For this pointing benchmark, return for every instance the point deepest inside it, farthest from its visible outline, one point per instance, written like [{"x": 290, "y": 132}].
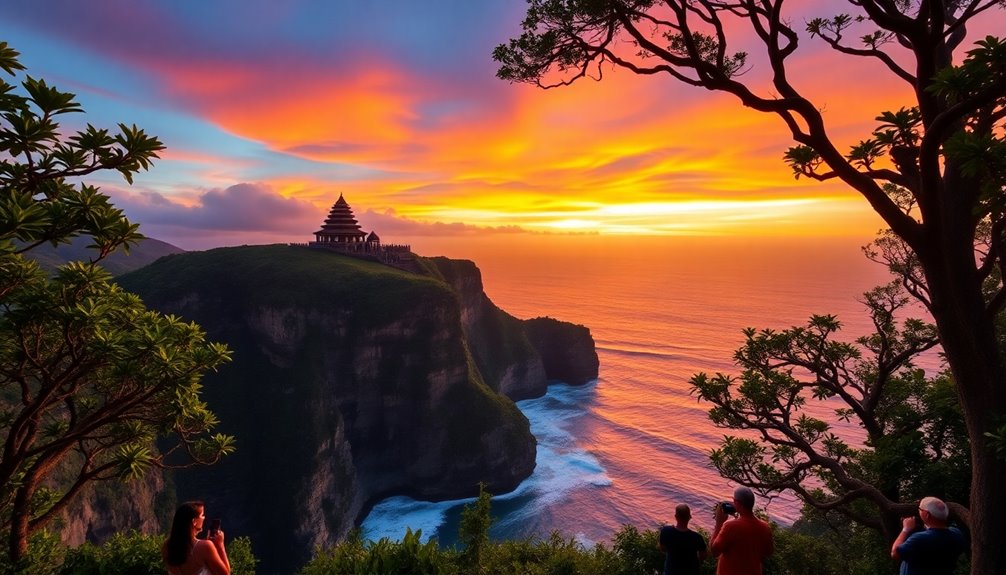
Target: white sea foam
[
  {"x": 392, "y": 516},
  {"x": 561, "y": 467}
]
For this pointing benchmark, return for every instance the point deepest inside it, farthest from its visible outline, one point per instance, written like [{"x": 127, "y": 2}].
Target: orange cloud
[{"x": 584, "y": 158}]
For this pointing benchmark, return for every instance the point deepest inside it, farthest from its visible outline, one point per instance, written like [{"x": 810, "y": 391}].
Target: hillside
[{"x": 118, "y": 263}]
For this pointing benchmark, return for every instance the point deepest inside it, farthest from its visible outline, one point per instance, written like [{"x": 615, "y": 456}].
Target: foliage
[
  {"x": 473, "y": 531},
  {"x": 553, "y": 556},
  {"x": 633, "y": 553},
  {"x": 637, "y": 551},
  {"x": 128, "y": 554},
  {"x": 820, "y": 543},
  {"x": 39, "y": 202},
  {"x": 45, "y": 557},
  {"x": 915, "y": 441},
  {"x": 998, "y": 441},
  {"x": 88, "y": 377},
  {"x": 408, "y": 557},
  {"x": 829, "y": 543},
  {"x": 136, "y": 554}
]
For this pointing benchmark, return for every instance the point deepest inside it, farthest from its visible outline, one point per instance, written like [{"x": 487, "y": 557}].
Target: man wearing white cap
[{"x": 933, "y": 551}]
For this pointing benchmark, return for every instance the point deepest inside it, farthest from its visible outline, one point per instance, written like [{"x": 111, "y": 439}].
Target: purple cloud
[{"x": 242, "y": 207}]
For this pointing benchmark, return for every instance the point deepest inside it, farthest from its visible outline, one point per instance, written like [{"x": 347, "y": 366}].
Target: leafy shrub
[
  {"x": 552, "y": 556},
  {"x": 137, "y": 554},
  {"x": 408, "y": 557},
  {"x": 637, "y": 551},
  {"x": 634, "y": 553},
  {"x": 45, "y": 555}
]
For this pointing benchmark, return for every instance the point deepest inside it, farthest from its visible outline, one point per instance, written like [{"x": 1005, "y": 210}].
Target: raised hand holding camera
[
  {"x": 214, "y": 529},
  {"x": 722, "y": 510}
]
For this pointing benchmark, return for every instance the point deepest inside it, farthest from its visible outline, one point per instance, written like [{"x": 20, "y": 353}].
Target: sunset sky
[{"x": 271, "y": 108}]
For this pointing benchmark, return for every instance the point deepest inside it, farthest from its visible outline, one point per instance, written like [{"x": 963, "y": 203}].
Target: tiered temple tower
[
  {"x": 342, "y": 233},
  {"x": 340, "y": 227}
]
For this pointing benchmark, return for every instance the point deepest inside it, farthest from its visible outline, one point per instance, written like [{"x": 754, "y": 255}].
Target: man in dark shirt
[
  {"x": 684, "y": 549},
  {"x": 933, "y": 551}
]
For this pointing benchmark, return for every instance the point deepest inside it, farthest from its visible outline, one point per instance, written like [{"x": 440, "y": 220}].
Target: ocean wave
[{"x": 562, "y": 466}]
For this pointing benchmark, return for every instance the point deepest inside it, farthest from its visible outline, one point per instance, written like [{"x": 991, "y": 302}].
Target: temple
[
  {"x": 340, "y": 227},
  {"x": 341, "y": 232}
]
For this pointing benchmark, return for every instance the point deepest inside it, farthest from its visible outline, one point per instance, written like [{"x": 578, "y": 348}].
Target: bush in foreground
[{"x": 137, "y": 554}]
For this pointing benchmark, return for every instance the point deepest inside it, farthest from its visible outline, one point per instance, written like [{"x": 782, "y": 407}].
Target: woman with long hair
[{"x": 183, "y": 554}]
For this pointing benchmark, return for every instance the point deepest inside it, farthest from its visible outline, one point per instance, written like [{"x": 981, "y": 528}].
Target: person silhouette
[{"x": 684, "y": 549}]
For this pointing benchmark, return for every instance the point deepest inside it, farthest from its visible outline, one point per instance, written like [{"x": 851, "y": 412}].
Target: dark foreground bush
[
  {"x": 552, "y": 556},
  {"x": 634, "y": 553},
  {"x": 408, "y": 557},
  {"x": 45, "y": 555},
  {"x": 136, "y": 554}
]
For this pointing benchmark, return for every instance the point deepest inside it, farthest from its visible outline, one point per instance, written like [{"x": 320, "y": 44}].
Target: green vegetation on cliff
[{"x": 255, "y": 276}]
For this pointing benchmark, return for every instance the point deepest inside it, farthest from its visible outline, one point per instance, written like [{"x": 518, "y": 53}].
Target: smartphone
[{"x": 214, "y": 527}]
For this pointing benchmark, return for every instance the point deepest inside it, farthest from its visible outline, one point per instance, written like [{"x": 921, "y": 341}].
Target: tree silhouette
[
  {"x": 934, "y": 171},
  {"x": 89, "y": 378}
]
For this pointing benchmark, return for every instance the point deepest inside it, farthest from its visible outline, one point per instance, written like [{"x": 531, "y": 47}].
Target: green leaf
[
  {"x": 48, "y": 99},
  {"x": 8, "y": 59}
]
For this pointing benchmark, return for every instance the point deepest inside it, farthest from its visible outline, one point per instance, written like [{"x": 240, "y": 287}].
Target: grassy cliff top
[{"x": 274, "y": 275}]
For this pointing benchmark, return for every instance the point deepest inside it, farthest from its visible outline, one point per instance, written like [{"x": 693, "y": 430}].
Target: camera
[
  {"x": 214, "y": 528},
  {"x": 727, "y": 507}
]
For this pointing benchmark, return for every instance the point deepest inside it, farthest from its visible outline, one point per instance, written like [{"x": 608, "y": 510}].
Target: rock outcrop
[
  {"x": 502, "y": 351},
  {"x": 107, "y": 507},
  {"x": 567, "y": 350}
]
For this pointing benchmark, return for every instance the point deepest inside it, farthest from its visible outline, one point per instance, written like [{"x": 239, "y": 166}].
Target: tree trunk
[
  {"x": 988, "y": 503},
  {"x": 17, "y": 540},
  {"x": 969, "y": 339}
]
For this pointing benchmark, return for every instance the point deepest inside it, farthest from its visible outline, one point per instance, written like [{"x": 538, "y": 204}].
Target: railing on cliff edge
[{"x": 396, "y": 255}]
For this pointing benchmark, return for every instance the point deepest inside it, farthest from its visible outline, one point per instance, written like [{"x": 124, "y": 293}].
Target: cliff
[
  {"x": 517, "y": 357},
  {"x": 351, "y": 381},
  {"x": 502, "y": 351},
  {"x": 567, "y": 350}
]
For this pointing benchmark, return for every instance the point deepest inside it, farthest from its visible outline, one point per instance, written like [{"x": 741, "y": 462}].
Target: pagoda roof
[{"x": 340, "y": 221}]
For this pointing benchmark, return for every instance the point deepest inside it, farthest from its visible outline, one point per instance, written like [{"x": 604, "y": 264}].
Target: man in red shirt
[{"x": 743, "y": 543}]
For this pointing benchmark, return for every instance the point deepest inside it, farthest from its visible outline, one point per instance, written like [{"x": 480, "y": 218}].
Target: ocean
[{"x": 628, "y": 447}]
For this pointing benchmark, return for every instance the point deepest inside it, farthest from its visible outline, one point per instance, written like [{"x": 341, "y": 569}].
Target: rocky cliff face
[
  {"x": 567, "y": 350},
  {"x": 504, "y": 355},
  {"x": 351, "y": 381},
  {"x": 106, "y": 507}
]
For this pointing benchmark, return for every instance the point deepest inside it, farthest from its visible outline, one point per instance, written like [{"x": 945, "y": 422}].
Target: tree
[
  {"x": 89, "y": 378},
  {"x": 933, "y": 170},
  {"x": 473, "y": 531},
  {"x": 914, "y": 441}
]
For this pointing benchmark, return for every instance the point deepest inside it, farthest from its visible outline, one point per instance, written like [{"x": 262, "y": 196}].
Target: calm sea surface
[{"x": 629, "y": 447}]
